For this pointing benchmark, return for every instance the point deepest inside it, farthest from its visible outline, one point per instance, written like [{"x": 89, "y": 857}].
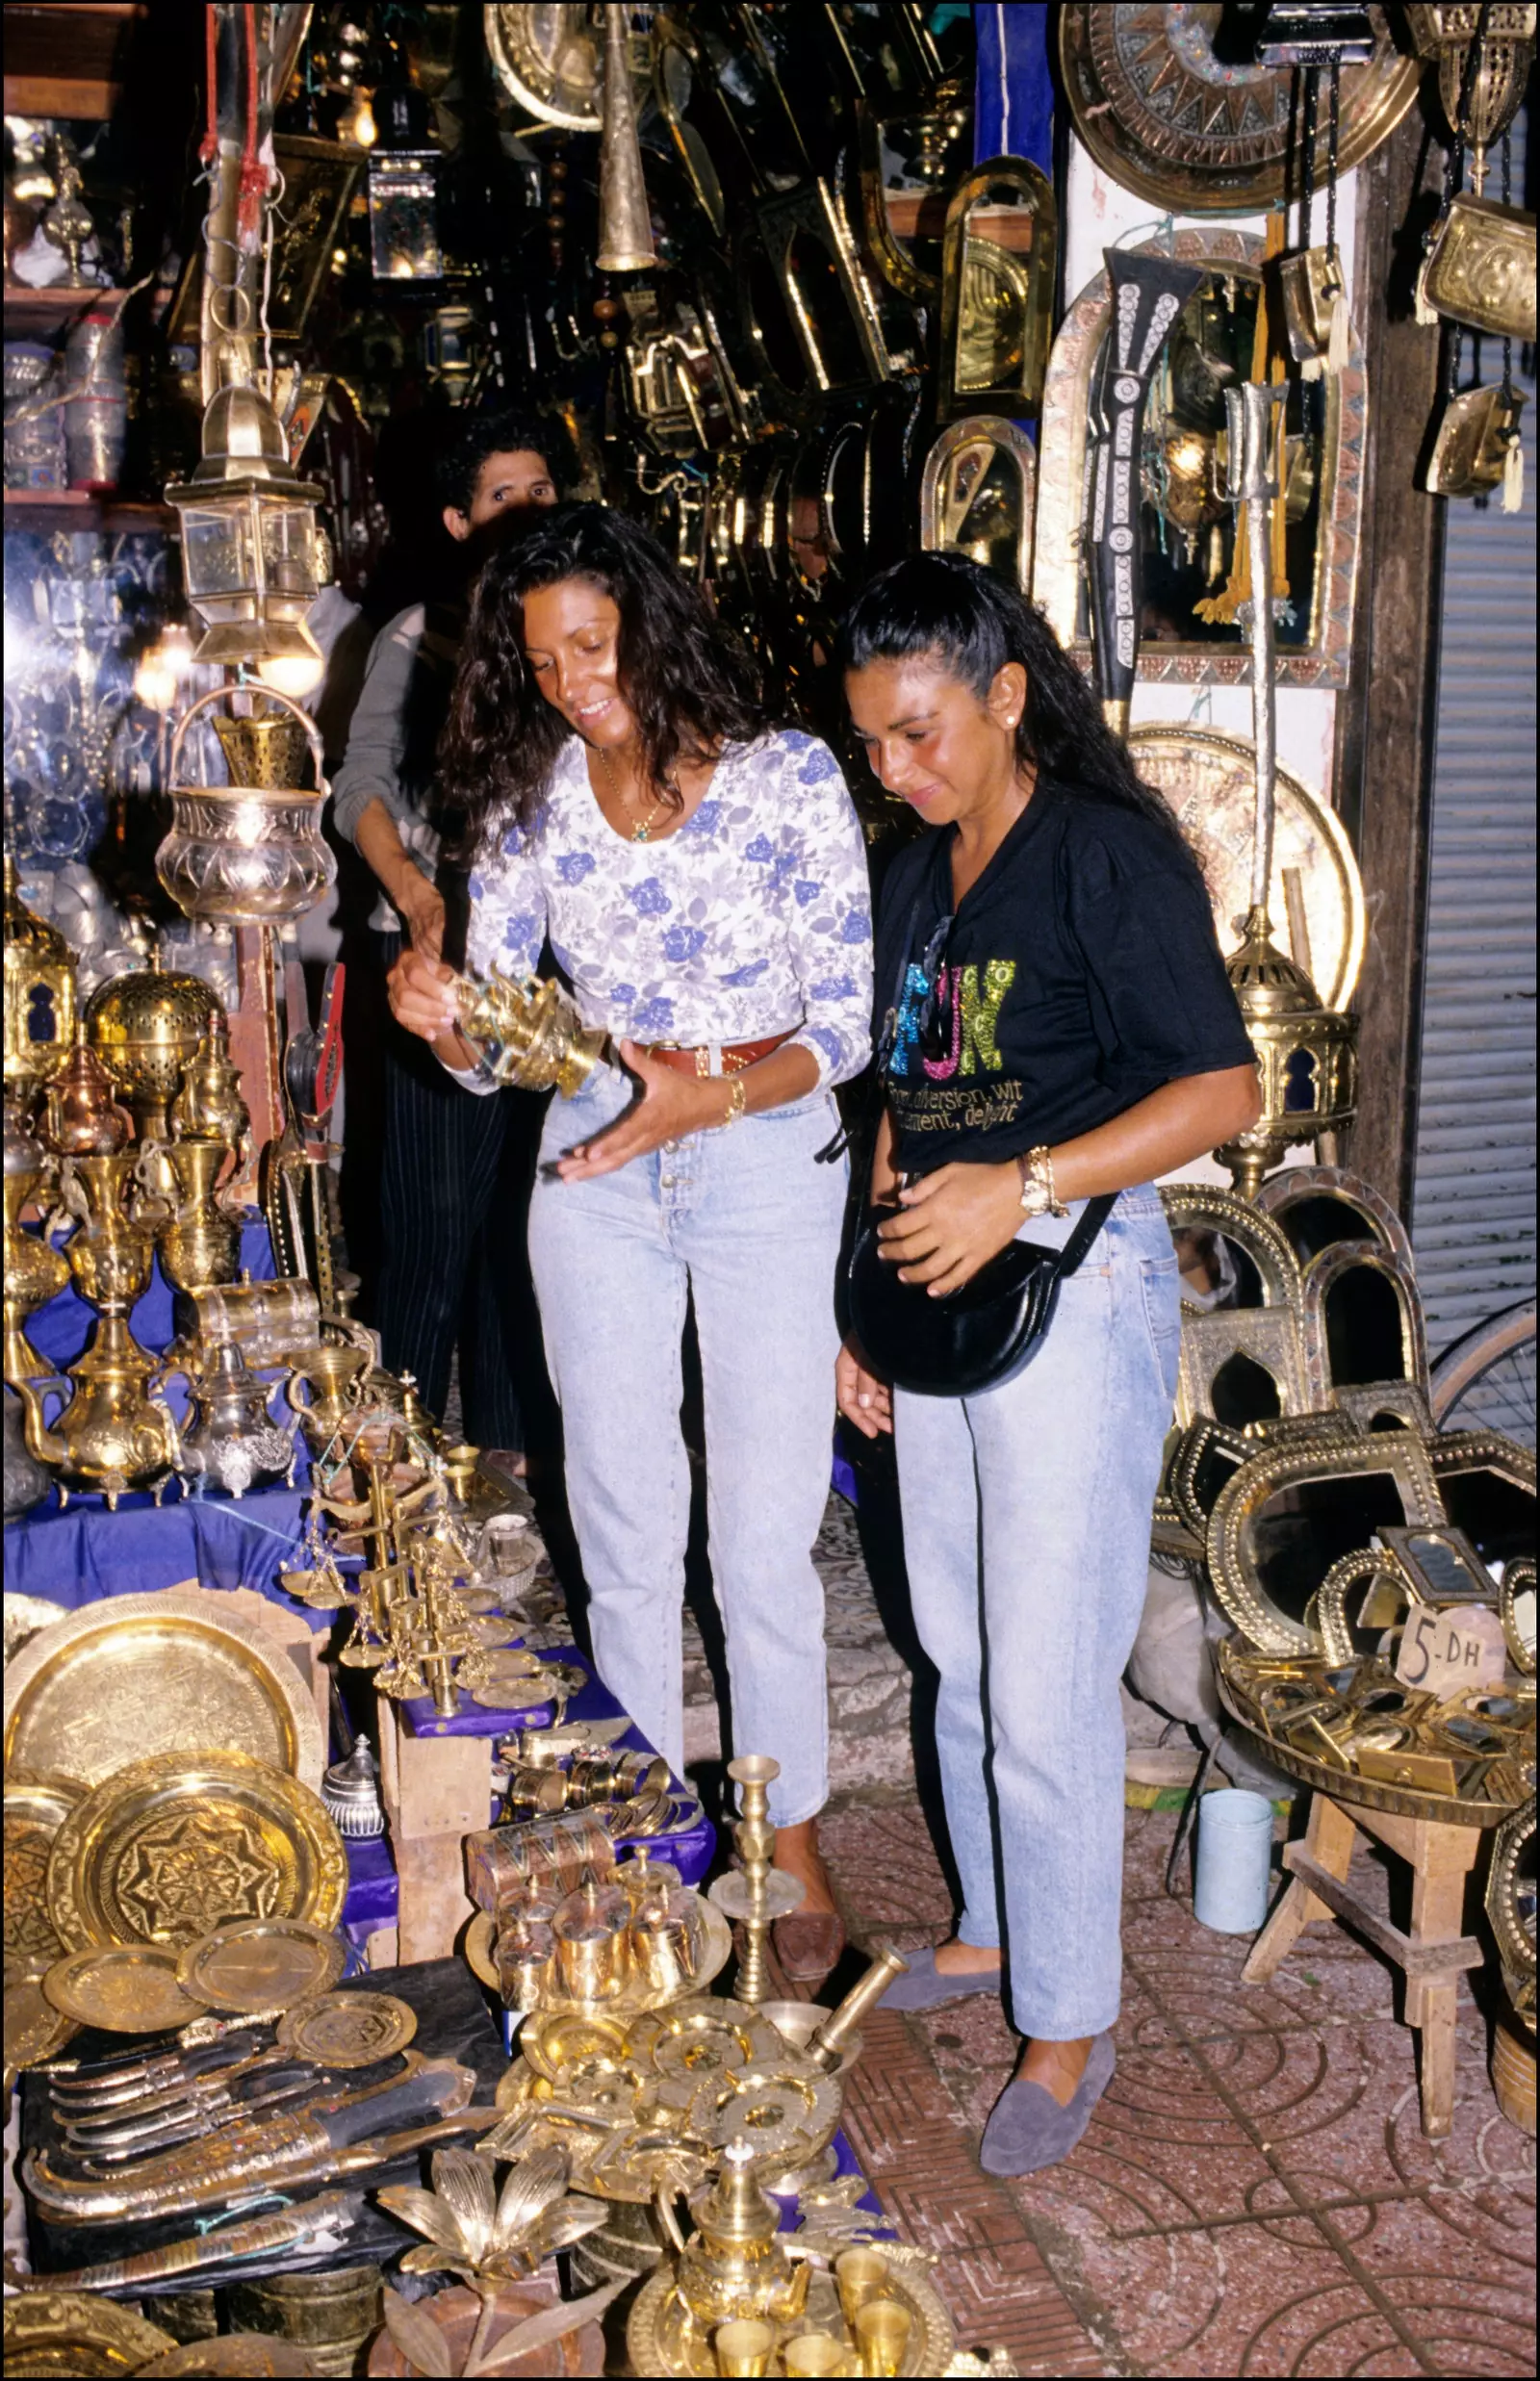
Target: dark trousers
[{"x": 454, "y": 1189}]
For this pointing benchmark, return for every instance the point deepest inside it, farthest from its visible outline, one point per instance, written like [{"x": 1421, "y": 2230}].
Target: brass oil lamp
[{"x": 249, "y": 549}]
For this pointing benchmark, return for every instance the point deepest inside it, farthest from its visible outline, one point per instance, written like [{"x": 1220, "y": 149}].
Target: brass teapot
[
  {"x": 34, "y": 1271},
  {"x": 109, "y": 1436},
  {"x": 209, "y": 1105},
  {"x": 230, "y": 1439},
  {"x": 734, "y": 2267},
  {"x": 201, "y": 1245}
]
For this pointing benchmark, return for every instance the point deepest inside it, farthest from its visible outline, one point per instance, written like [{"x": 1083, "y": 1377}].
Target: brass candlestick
[{"x": 757, "y": 1893}]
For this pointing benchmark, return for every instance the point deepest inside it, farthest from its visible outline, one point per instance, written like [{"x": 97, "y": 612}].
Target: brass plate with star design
[
  {"x": 36, "y": 1805},
  {"x": 168, "y": 1848},
  {"x": 347, "y": 2029},
  {"x": 1169, "y": 114}
]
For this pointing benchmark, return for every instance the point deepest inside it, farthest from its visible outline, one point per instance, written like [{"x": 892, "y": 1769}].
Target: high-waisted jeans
[
  {"x": 1026, "y": 1536},
  {"x": 746, "y": 1222}
]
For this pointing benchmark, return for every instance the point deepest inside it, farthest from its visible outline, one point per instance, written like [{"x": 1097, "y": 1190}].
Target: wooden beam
[
  {"x": 1384, "y": 737},
  {"x": 59, "y": 94}
]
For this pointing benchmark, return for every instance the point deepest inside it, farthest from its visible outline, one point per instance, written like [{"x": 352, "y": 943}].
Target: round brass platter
[
  {"x": 1210, "y": 781},
  {"x": 172, "y": 1847},
  {"x": 65, "y": 2333},
  {"x": 716, "y": 1942},
  {"x": 34, "y": 2029},
  {"x": 261, "y": 1963},
  {"x": 347, "y": 2029},
  {"x": 37, "y": 1803},
  {"x": 548, "y": 59},
  {"x": 161, "y": 1673},
  {"x": 248, "y": 2354},
  {"x": 124, "y": 1989},
  {"x": 22, "y": 1616},
  {"x": 1347, "y": 1786},
  {"x": 1194, "y": 134}
]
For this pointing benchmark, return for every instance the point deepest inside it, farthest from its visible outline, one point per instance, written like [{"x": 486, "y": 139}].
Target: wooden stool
[{"x": 1431, "y": 1956}]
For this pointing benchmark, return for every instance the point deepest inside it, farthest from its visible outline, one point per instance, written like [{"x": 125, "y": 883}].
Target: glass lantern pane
[
  {"x": 217, "y": 552},
  {"x": 289, "y": 549}
]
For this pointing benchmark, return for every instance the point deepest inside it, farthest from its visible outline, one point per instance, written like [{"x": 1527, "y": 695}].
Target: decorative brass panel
[{"x": 997, "y": 292}]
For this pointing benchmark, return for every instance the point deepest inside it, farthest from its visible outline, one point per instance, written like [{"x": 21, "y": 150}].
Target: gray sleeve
[{"x": 376, "y": 739}]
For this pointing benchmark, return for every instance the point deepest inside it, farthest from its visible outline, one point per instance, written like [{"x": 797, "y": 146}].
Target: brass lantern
[
  {"x": 250, "y": 551},
  {"x": 1306, "y": 1055},
  {"x": 40, "y": 989}
]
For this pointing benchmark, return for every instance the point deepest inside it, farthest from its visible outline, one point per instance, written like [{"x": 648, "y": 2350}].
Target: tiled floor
[{"x": 1255, "y": 2195}]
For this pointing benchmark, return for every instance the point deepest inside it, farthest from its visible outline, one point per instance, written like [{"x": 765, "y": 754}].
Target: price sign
[{"x": 1444, "y": 1651}]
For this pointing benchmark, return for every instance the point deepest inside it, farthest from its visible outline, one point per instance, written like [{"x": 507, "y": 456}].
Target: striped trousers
[{"x": 454, "y": 1201}]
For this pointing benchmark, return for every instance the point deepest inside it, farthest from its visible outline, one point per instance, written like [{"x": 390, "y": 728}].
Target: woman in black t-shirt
[{"x": 1059, "y": 1025}]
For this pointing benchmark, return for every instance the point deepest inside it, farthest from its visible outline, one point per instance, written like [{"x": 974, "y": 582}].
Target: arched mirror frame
[
  {"x": 1272, "y": 1335},
  {"x": 1323, "y": 660},
  {"x": 974, "y": 429},
  {"x": 1037, "y": 330}
]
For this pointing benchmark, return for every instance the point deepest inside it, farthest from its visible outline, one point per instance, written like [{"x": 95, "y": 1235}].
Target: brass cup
[
  {"x": 814, "y": 2353},
  {"x": 882, "y": 2329},
  {"x": 861, "y": 2276},
  {"x": 743, "y": 2348}
]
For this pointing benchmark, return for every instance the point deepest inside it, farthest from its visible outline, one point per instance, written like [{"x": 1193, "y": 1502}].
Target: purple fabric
[
  {"x": 85, "y": 1552},
  {"x": 373, "y": 1892}
]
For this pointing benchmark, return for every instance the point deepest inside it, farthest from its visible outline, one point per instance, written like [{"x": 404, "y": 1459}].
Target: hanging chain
[{"x": 1507, "y": 336}]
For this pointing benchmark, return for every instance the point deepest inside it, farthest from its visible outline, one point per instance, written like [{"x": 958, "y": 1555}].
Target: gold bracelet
[
  {"x": 737, "y": 1102},
  {"x": 1039, "y": 1164}
]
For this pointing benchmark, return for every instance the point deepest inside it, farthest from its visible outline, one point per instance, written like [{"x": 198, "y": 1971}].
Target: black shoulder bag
[{"x": 978, "y": 1335}]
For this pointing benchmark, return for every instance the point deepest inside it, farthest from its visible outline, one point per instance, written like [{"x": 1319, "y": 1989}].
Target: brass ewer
[
  {"x": 34, "y": 1271},
  {"x": 110, "y": 1437},
  {"x": 528, "y": 1033},
  {"x": 200, "y": 1246},
  {"x": 734, "y": 2264},
  {"x": 1306, "y": 1055},
  {"x": 81, "y": 1114},
  {"x": 208, "y": 1105}
]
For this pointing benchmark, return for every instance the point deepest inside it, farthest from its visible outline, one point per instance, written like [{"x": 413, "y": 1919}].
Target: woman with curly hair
[{"x": 702, "y": 881}]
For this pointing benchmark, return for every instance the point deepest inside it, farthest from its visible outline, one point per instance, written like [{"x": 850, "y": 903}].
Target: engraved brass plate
[
  {"x": 1188, "y": 129},
  {"x": 262, "y": 1963},
  {"x": 1210, "y": 781},
  {"x": 347, "y": 2029},
  {"x": 36, "y": 1807},
  {"x": 34, "y": 2027},
  {"x": 127, "y": 1988},
  {"x": 172, "y": 1847},
  {"x": 64, "y": 2332},
  {"x": 161, "y": 1675}
]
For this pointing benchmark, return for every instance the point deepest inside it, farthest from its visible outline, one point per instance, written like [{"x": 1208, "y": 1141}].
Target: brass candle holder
[{"x": 757, "y": 1893}]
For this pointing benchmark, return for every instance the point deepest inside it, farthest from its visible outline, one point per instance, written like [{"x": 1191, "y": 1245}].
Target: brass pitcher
[
  {"x": 334, "y": 1379},
  {"x": 111, "y": 1436},
  {"x": 81, "y": 1118},
  {"x": 734, "y": 2264},
  {"x": 230, "y": 1439},
  {"x": 209, "y": 1105},
  {"x": 34, "y": 1271},
  {"x": 200, "y": 1246}
]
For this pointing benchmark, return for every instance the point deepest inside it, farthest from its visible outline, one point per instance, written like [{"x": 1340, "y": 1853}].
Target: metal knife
[
  {"x": 126, "y": 2078},
  {"x": 111, "y": 2139}
]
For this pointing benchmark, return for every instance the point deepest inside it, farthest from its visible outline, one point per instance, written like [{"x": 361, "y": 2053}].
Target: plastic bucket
[{"x": 1234, "y": 1879}]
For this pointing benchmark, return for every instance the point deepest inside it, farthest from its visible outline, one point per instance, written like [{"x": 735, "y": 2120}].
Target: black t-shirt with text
[{"x": 1079, "y": 974}]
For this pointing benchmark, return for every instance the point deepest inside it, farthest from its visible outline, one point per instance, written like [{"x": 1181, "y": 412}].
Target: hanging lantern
[
  {"x": 250, "y": 543},
  {"x": 40, "y": 990}
]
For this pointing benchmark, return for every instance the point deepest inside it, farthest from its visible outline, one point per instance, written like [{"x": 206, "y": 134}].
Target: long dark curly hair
[
  {"x": 945, "y": 605},
  {"x": 688, "y": 684}
]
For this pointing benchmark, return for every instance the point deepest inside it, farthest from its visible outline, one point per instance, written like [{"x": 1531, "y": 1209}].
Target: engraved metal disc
[
  {"x": 34, "y": 2029},
  {"x": 347, "y": 2029},
  {"x": 125, "y": 1989},
  {"x": 550, "y": 60},
  {"x": 262, "y": 1963},
  {"x": 1165, "y": 112},
  {"x": 66, "y": 2331},
  {"x": 36, "y": 1805}
]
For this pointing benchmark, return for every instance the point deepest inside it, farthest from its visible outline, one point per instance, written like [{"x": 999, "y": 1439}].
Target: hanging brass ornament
[
  {"x": 39, "y": 995},
  {"x": 625, "y": 221},
  {"x": 1479, "y": 432},
  {"x": 250, "y": 548},
  {"x": 1502, "y": 73},
  {"x": 1306, "y": 1054}
]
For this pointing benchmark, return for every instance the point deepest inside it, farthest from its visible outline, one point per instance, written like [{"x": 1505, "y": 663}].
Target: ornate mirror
[
  {"x": 978, "y": 496},
  {"x": 998, "y": 259},
  {"x": 806, "y": 301},
  {"x": 1191, "y": 633}
]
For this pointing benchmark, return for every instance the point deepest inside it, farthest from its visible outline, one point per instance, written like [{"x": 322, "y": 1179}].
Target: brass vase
[
  {"x": 333, "y": 1376},
  {"x": 34, "y": 1271},
  {"x": 81, "y": 1116},
  {"x": 200, "y": 1246},
  {"x": 110, "y": 1437}
]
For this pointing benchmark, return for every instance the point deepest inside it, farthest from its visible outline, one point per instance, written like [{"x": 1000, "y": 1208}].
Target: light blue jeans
[
  {"x": 1026, "y": 1536},
  {"x": 747, "y": 1222}
]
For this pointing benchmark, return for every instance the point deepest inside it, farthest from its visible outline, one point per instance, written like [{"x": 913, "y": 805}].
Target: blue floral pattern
[{"x": 694, "y": 939}]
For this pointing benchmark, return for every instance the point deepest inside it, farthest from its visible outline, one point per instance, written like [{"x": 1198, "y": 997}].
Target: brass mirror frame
[
  {"x": 1326, "y": 1269},
  {"x": 1042, "y": 265},
  {"x": 1272, "y": 1335},
  {"x": 1323, "y": 660},
  {"x": 1272, "y": 1469},
  {"x": 814, "y": 211},
  {"x": 980, "y": 429},
  {"x": 1286, "y": 1188}
]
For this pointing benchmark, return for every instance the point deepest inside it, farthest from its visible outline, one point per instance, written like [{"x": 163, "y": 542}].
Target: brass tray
[
  {"x": 36, "y": 1805},
  {"x": 261, "y": 1963},
  {"x": 1210, "y": 781},
  {"x": 34, "y": 2029},
  {"x": 1346, "y": 1785},
  {"x": 64, "y": 2332},
  {"x": 124, "y": 1989},
  {"x": 347, "y": 2029},
  {"x": 716, "y": 1943},
  {"x": 663, "y": 2336},
  {"x": 163, "y": 1675},
  {"x": 174, "y": 1846}
]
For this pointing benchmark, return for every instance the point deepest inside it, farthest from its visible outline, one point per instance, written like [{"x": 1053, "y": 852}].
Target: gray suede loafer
[
  {"x": 923, "y": 1988},
  {"x": 1028, "y": 2130}
]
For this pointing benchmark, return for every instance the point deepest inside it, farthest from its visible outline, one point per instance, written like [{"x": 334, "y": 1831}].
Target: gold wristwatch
[{"x": 1039, "y": 1196}]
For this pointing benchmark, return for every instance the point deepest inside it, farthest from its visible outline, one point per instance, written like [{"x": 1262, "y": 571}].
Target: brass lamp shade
[{"x": 39, "y": 995}]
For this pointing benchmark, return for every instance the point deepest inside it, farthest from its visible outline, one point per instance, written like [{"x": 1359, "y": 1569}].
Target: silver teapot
[
  {"x": 230, "y": 1439},
  {"x": 27, "y": 1483}
]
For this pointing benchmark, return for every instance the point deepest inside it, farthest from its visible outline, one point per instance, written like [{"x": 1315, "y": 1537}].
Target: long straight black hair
[
  {"x": 949, "y": 609},
  {"x": 689, "y": 685}
]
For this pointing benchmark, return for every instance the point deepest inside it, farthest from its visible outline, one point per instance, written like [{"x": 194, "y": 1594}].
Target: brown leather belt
[{"x": 736, "y": 1055}]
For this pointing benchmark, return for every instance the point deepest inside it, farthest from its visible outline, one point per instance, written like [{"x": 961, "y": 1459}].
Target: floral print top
[{"x": 752, "y": 919}]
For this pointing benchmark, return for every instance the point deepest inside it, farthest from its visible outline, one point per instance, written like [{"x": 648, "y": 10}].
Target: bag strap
[{"x": 1075, "y": 1247}]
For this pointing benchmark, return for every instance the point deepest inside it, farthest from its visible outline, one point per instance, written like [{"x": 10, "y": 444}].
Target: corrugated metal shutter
[{"x": 1474, "y": 1196}]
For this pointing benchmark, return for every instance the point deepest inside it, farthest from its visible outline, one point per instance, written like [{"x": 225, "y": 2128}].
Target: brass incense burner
[
  {"x": 528, "y": 1033},
  {"x": 147, "y": 1027}
]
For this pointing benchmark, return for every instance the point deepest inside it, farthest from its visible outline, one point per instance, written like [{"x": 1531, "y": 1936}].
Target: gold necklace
[{"x": 641, "y": 833}]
